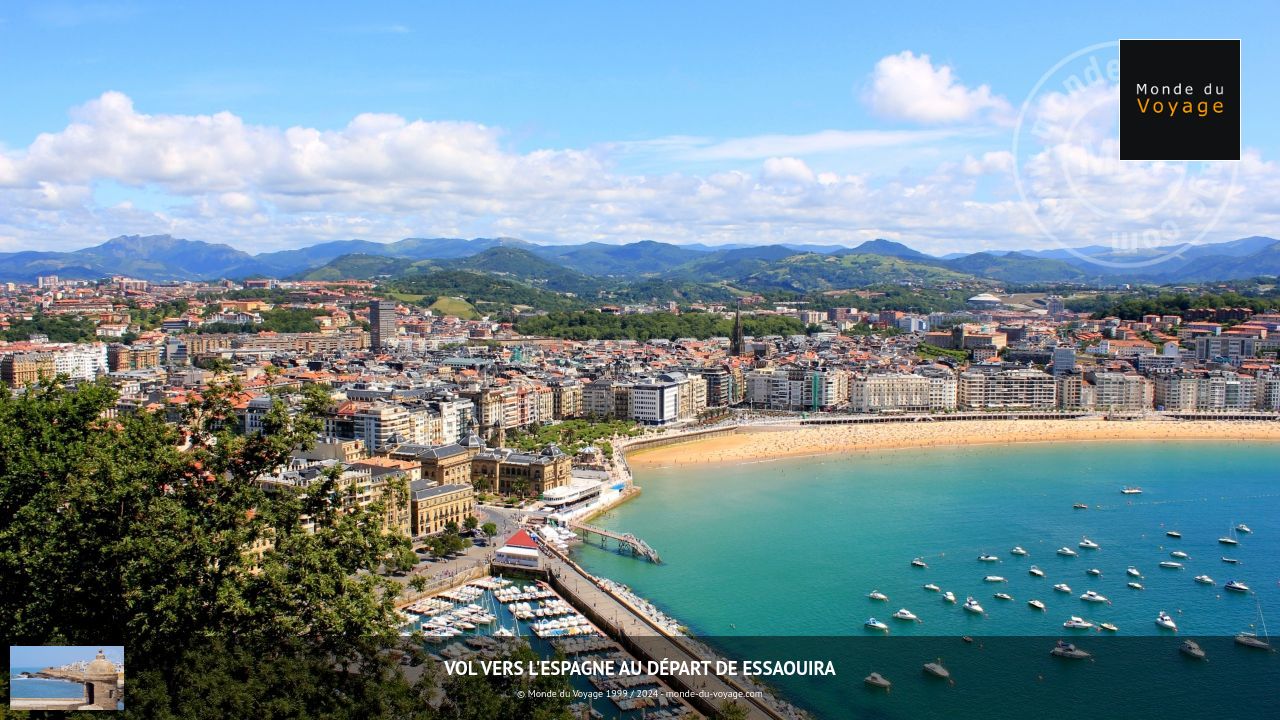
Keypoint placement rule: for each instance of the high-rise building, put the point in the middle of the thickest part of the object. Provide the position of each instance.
(382, 323)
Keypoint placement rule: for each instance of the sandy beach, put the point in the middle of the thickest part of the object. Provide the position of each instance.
(754, 444)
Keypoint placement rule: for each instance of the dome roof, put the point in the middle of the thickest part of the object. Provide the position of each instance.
(101, 666)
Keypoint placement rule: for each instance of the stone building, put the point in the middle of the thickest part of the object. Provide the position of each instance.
(432, 507)
(515, 473)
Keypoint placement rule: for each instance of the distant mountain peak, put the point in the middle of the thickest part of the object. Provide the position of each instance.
(880, 246)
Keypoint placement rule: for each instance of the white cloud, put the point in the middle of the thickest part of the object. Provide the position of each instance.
(907, 86)
(383, 177)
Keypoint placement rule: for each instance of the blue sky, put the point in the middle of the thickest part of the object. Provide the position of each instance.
(622, 109)
(22, 656)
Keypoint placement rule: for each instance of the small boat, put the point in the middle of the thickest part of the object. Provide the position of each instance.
(949, 596)
(971, 605)
(994, 579)
(1018, 550)
(931, 587)
(905, 614)
(1091, 596)
(1191, 649)
(1094, 572)
(1228, 541)
(1036, 571)
(919, 562)
(988, 558)
(1204, 579)
(1127, 490)
(1003, 596)
(1173, 534)
(875, 624)
(1088, 544)
(1066, 650)
(1067, 552)
(1133, 572)
(1236, 586)
(1036, 604)
(877, 680)
(1166, 622)
(1179, 554)
(1077, 623)
(1080, 506)
(1062, 588)
(1171, 565)
(935, 669)
(1243, 528)
(1230, 561)
(1135, 586)
(1251, 640)
(877, 595)
(966, 639)
(1109, 627)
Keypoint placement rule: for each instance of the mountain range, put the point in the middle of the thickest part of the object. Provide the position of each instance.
(598, 266)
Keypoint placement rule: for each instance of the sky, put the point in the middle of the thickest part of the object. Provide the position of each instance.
(43, 656)
(275, 125)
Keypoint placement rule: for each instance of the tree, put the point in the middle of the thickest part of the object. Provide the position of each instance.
(470, 523)
(451, 527)
(489, 529)
(732, 710)
(403, 559)
(111, 533)
(418, 583)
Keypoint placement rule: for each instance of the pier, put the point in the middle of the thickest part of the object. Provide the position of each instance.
(638, 547)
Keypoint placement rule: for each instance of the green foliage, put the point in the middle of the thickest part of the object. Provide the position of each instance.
(477, 287)
(280, 319)
(925, 350)
(1165, 303)
(150, 318)
(489, 529)
(571, 435)
(648, 326)
(59, 328)
(112, 534)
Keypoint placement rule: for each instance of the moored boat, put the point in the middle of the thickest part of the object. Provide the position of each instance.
(1236, 586)
(919, 562)
(877, 680)
(1128, 490)
(971, 605)
(1230, 561)
(1018, 550)
(1133, 572)
(988, 558)
(1173, 534)
(937, 670)
(949, 596)
(1036, 604)
(1088, 544)
(1135, 586)
(875, 624)
(1077, 623)
(877, 595)
(1036, 571)
(994, 579)
(1179, 554)
(1067, 650)
(1003, 596)
(931, 587)
(1243, 528)
(1067, 552)
(1109, 627)
(1062, 588)
(1204, 579)
(1192, 649)
(1166, 622)
(1095, 572)
(1091, 596)
(1171, 565)
(905, 614)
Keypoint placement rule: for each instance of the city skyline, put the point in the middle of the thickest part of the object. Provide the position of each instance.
(702, 129)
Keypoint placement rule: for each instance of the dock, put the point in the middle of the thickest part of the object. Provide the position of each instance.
(638, 547)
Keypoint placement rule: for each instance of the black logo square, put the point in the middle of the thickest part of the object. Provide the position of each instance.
(1179, 99)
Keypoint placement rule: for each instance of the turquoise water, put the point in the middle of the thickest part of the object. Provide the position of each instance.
(41, 687)
(791, 548)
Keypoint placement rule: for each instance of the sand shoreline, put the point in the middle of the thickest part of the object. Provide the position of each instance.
(763, 443)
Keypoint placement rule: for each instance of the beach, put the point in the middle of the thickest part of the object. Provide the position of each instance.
(767, 442)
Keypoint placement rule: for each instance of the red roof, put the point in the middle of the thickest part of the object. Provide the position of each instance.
(522, 540)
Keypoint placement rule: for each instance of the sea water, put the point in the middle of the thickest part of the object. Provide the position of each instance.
(790, 548)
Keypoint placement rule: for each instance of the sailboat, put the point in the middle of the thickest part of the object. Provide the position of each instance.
(1249, 639)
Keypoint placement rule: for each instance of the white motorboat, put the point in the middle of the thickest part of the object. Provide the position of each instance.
(1230, 561)
(905, 614)
(949, 596)
(1036, 604)
(931, 587)
(1017, 550)
(1077, 623)
(877, 595)
(988, 558)
(937, 670)
(994, 579)
(877, 680)
(1171, 565)
(1003, 596)
(1173, 534)
(1204, 580)
(919, 562)
(1228, 541)
(1036, 571)
(1179, 554)
(1166, 622)
(1236, 586)
(1091, 596)
(874, 624)
(1243, 528)
(1135, 586)
(1109, 627)
(1134, 490)
(1095, 572)
(972, 606)
(1062, 588)
(1067, 552)
(1088, 544)
(1133, 572)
